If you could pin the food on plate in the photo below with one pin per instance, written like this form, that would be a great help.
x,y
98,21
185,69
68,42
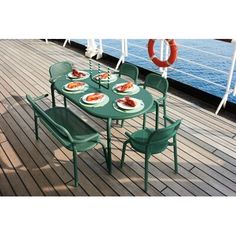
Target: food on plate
x,y
73,85
128,101
77,73
102,76
124,87
94,97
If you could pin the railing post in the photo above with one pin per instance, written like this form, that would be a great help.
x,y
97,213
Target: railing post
x,y
124,47
91,49
230,77
100,50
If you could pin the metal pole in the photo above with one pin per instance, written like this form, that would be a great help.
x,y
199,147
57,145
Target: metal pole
x,y
230,76
126,47
166,57
100,50
123,50
161,54
122,56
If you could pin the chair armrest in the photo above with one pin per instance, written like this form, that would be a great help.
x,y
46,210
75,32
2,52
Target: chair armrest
x,y
128,134
168,119
136,141
83,140
40,97
141,84
160,99
52,80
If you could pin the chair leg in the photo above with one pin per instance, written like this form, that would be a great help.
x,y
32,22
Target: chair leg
x,y
36,126
117,122
53,95
105,154
157,115
164,112
123,153
175,154
75,162
146,172
144,121
122,123
65,102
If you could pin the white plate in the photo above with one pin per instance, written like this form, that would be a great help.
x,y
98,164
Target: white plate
x,y
125,107
70,75
93,102
76,88
132,89
113,77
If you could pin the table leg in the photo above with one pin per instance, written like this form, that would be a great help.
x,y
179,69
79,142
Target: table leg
x,y
109,120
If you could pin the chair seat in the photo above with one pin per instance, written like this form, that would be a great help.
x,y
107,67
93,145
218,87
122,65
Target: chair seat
x,y
78,129
139,139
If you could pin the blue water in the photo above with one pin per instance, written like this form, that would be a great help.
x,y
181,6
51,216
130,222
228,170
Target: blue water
x,y
209,45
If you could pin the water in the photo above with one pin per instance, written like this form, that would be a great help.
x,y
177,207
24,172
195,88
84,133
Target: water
x,y
209,45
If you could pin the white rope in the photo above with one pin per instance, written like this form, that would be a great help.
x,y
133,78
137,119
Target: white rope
x,y
195,49
199,64
200,50
194,76
199,78
190,61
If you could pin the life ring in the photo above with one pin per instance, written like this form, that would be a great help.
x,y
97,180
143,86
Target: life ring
x,y
172,57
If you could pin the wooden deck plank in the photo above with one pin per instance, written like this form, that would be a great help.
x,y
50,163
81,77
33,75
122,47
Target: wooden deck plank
x,y
5,186
29,183
12,175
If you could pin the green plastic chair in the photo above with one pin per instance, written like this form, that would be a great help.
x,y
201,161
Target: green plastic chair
x,y
130,70
152,141
160,84
56,71
71,131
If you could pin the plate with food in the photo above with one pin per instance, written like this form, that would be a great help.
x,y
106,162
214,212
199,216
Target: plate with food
x,y
128,103
104,77
127,87
93,98
77,74
75,86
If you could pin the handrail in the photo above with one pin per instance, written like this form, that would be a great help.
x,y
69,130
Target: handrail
x,y
183,59
179,58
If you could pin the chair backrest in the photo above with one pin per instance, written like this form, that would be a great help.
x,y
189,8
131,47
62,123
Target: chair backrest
x,y
60,69
157,82
129,70
158,140
57,130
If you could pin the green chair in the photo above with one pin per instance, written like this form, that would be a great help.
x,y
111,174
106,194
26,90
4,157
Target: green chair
x,y
153,141
57,70
160,84
130,70
71,131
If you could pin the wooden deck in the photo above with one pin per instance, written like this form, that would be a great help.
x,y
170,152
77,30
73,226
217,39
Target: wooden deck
x,y
206,143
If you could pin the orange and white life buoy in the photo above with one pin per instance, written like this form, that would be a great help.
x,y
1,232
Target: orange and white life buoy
x,y
172,57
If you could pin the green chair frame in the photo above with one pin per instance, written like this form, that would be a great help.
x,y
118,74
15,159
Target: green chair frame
x,y
160,84
130,70
71,131
57,70
153,141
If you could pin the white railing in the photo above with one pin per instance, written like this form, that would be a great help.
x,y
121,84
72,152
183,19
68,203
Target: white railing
x,y
123,49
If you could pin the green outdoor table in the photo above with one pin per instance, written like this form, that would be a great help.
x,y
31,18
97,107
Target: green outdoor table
x,y
108,111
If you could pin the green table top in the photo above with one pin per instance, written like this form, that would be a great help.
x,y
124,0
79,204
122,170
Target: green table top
x,y
109,110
